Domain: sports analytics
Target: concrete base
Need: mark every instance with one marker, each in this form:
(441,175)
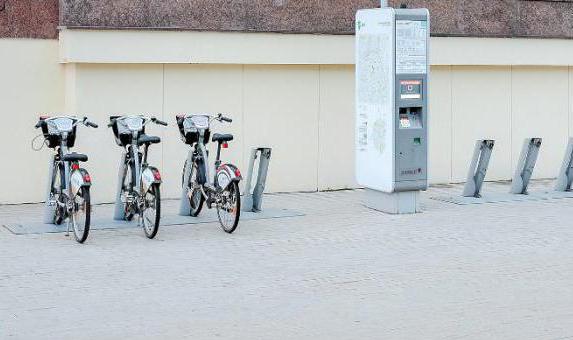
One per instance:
(26,225)
(395,203)
(503,198)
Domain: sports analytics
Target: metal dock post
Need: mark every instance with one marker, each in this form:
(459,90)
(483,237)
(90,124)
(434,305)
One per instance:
(478,168)
(253,198)
(525,166)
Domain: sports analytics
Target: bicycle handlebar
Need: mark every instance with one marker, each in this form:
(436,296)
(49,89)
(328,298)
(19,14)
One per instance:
(222,118)
(160,122)
(146,120)
(85,121)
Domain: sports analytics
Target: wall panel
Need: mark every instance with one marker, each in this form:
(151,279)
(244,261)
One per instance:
(336,128)
(281,111)
(540,104)
(440,125)
(206,89)
(104,90)
(481,109)
(32,84)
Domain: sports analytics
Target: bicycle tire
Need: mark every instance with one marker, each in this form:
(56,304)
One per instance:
(154,222)
(229,226)
(81,235)
(196,199)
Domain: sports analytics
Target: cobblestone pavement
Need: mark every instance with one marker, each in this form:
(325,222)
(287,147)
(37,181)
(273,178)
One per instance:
(494,271)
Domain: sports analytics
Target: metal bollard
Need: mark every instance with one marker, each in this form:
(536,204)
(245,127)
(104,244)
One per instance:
(118,212)
(49,208)
(478,168)
(253,198)
(184,204)
(525,166)
(565,178)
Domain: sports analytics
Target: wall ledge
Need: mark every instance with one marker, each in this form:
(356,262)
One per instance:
(191,47)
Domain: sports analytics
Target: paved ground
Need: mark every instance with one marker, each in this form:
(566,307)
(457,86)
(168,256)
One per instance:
(496,271)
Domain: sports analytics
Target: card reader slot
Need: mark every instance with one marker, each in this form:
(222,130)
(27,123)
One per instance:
(410,118)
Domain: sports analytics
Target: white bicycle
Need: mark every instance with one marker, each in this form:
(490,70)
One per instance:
(70,184)
(140,184)
(221,190)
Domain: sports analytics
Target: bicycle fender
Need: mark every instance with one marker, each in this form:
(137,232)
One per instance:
(227,174)
(201,176)
(79,178)
(150,176)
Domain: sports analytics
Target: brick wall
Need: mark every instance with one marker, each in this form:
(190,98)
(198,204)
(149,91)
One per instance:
(29,19)
(499,18)
(486,18)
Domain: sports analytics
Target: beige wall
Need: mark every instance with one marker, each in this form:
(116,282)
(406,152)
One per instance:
(505,103)
(303,111)
(32,82)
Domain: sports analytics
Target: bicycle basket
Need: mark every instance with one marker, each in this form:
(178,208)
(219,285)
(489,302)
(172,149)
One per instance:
(52,130)
(188,130)
(121,129)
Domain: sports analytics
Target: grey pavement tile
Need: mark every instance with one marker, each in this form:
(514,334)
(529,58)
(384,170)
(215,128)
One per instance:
(341,271)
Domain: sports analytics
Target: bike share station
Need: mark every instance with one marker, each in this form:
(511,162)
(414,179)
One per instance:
(392,122)
(251,208)
(392,107)
(519,190)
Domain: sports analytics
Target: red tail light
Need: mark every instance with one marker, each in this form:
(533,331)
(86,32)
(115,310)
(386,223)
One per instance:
(225,145)
(238,173)
(157,175)
(87,178)
(75,166)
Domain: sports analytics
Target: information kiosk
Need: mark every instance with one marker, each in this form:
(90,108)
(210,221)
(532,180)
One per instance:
(392,107)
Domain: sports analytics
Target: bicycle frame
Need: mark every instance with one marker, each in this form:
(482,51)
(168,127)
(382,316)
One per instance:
(72,178)
(145,176)
(229,170)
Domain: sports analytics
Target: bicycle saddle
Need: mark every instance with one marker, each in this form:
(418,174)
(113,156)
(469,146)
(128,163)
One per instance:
(75,157)
(145,139)
(219,137)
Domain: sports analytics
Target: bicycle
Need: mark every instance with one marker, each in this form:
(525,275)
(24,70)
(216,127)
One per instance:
(223,190)
(139,187)
(70,184)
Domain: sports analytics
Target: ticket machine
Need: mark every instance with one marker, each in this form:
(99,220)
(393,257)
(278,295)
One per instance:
(392,107)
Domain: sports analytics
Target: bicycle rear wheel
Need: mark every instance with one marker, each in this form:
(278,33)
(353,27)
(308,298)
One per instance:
(229,209)
(151,213)
(81,216)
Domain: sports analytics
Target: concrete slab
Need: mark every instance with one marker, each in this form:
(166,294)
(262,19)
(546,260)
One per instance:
(504,198)
(29,226)
(342,271)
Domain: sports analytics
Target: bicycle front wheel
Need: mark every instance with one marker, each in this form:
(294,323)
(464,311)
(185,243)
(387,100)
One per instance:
(151,213)
(229,209)
(82,215)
